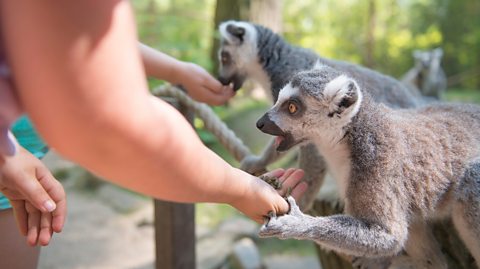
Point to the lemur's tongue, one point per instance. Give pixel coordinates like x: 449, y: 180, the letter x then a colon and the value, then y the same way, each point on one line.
x: 278, y: 140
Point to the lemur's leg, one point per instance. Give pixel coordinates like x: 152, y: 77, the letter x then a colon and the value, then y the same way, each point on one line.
x: 466, y: 210
x: 342, y: 233
x: 422, y: 249
x: 256, y: 165
x: 315, y: 169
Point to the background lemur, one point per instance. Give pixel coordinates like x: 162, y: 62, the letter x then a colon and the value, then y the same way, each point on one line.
x: 252, y: 51
x: 397, y: 169
x: 427, y: 73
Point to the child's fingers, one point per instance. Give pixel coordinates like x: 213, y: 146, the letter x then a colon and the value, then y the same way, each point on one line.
x: 58, y: 216
x: 276, y: 173
x: 291, y: 179
x: 299, y: 190
x: 56, y: 191
x: 20, y: 215
x: 33, y: 224
x: 34, y: 192
x: 45, y: 233
x: 215, y: 99
x: 212, y: 84
x: 287, y: 174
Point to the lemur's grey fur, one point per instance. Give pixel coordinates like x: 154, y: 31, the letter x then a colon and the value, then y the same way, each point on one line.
x: 427, y: 73
x: 397, y: 169
x: 252, y: 51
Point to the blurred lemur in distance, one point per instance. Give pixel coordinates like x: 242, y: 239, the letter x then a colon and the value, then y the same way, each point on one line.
x: 252, y: 51
x: 396, y: 170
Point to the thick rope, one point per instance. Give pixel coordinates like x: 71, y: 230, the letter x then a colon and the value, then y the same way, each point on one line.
x: 212, y: 122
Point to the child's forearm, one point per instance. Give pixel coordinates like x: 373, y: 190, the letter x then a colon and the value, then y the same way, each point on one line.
x: 160, y: 65
x: 86, y: 93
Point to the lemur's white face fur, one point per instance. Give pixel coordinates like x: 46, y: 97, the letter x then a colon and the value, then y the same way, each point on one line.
x: 238, y: 50
x: 425, y: 58
x: 316, y: 105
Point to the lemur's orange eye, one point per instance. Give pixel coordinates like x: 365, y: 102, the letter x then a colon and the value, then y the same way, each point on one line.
x: 292, y: 108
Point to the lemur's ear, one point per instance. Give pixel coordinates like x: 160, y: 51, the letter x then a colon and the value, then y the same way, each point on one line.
x: 236, y: 31
x: 342, y: 93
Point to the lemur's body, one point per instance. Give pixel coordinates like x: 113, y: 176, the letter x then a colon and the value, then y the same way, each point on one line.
x: 398, y: 168
x: 253, y: 51
x: 427, y: 73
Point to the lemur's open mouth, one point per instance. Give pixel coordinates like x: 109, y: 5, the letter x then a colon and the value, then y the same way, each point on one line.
x: 285, y: 142
x: 278, y: 141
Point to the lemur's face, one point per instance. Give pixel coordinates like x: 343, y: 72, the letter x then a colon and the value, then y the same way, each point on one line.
x: 423, y: 58
x: 317, y: 103
x: 238, y: 49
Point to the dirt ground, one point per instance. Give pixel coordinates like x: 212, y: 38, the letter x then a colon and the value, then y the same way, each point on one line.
x: 95, y: 236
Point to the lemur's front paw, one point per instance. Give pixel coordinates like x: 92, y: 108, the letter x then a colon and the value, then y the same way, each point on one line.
x: 286, y: 226
x: 253, y: 165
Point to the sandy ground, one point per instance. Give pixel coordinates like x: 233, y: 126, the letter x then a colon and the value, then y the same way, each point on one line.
x: 95, y: 236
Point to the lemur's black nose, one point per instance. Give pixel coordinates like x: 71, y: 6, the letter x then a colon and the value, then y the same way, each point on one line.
x: 260, y: 124
x: 266, y: 125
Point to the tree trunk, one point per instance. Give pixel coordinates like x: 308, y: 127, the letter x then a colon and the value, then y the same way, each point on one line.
x: 267, y: 13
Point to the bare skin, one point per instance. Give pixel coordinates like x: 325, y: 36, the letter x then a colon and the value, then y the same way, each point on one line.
x: 87, y: 84
x: 200, y: 85
x: 14, y: 253
x: 27, y: 183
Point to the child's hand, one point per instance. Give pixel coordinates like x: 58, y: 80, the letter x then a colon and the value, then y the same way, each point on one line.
x: 288, y: 182
x: 37, y: 198
x: 202, y: 87
x: 263, y: 198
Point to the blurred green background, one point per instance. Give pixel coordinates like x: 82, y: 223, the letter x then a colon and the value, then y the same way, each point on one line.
x: 378, y: 34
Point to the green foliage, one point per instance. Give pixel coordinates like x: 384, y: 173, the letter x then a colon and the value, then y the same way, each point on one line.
x: 460, y: 25
x: 463, y: 95
x: 182, y: 28
x: 339, y: 29
x: 336, y: 29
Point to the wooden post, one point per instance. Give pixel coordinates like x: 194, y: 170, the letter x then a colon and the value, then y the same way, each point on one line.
x: 175, y: 226
x: 174, y: 235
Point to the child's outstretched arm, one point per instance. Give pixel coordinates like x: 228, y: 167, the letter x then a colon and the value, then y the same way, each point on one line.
x: 199, y: 84
x: 83, y: 84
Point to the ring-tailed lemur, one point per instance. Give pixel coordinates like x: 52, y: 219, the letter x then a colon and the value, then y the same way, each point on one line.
x: 252, y: 51
x: 397, y: 169
x: 427, y: 74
